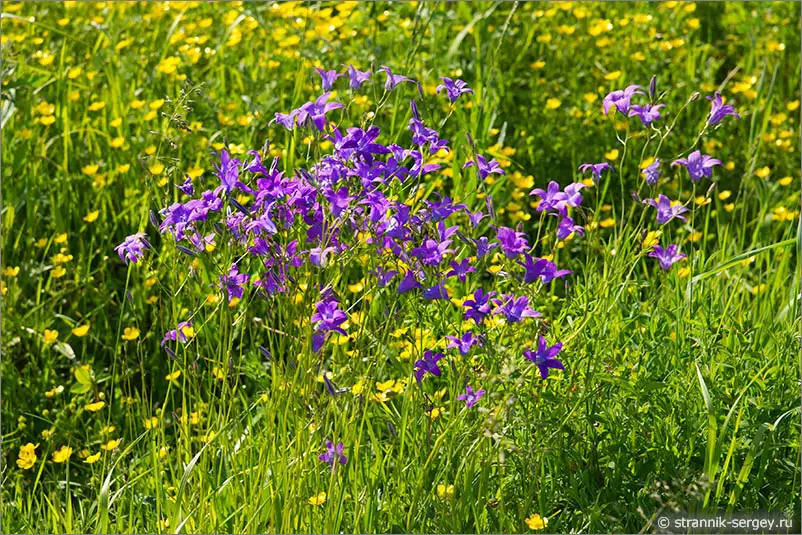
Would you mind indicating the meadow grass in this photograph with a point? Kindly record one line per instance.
(681, 389)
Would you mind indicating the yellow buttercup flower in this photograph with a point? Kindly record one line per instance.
(92, 459)
(319, 499)
(27, 456)
(111, 444)
(62, 455)
(173, 376)
(94, 407)
(81, 331)
(536, 522)
(130, 333)
(553, 103)
(50, 336)
(91, 217)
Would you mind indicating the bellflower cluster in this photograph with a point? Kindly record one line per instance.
(286, 231)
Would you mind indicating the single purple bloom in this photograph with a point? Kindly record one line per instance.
(317, 255)
(384, 276)
(514, 308)
(470, 397)
(567, 227)
(177, 334)
(132, 249)
(428, 364)
(334, 454)
(454, 88)
(595, 169)
(357, 77)
(551, 198)
(315, 112)
(186, 187)
(431, 252)
(438, 291)
(620, 99)
(327, 318)
(228, 173)
(483, 246)
(475, 217)
(667, 256)
(233, 282)
(408, 283)
(463, 344)
(512, 243)
(543, 269)
(393, 79)
(698, 165)
(461, 269)
(646, 113)
(653, 87)
(544, 357)
(328, 78)
(652, 173)
(485, 168)
(719, 110)
(287, 120)
(479, 306)
(572, 196)
(666, 211)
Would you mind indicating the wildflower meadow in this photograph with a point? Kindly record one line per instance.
(414, 267)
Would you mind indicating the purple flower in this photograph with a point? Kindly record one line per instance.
(428, 364)
(620, 99)
(431, 252)
(328, 78)
(186, 187)
(334, 454)
(463, 344)
(357, 77)
(393, 79)
(384, 276)
(551, 198)
(178, 334)
(567, 227)
(316, 111)
(228, 173)
(667, 256)
(543, 269)
(132, 249)
(512, 243)
(572, 196)
(483, 246)
(461, 269)
(408, 283)
(485, 168)
(479, 306)
(287, 120)
(666, 210)
(544, 357)
(652, 173)
(698, 165)
(719, 110)
(454, 88)
(233, 282)
(437, 291)
(470, 397)
(514, 308)
(595, 169)
(647, 113)
(327, 318)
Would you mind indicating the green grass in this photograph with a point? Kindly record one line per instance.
(681, 388)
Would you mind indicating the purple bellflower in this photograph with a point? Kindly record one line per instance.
(667, 256)
(544, 357)
(470, 397)
(698, 165)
